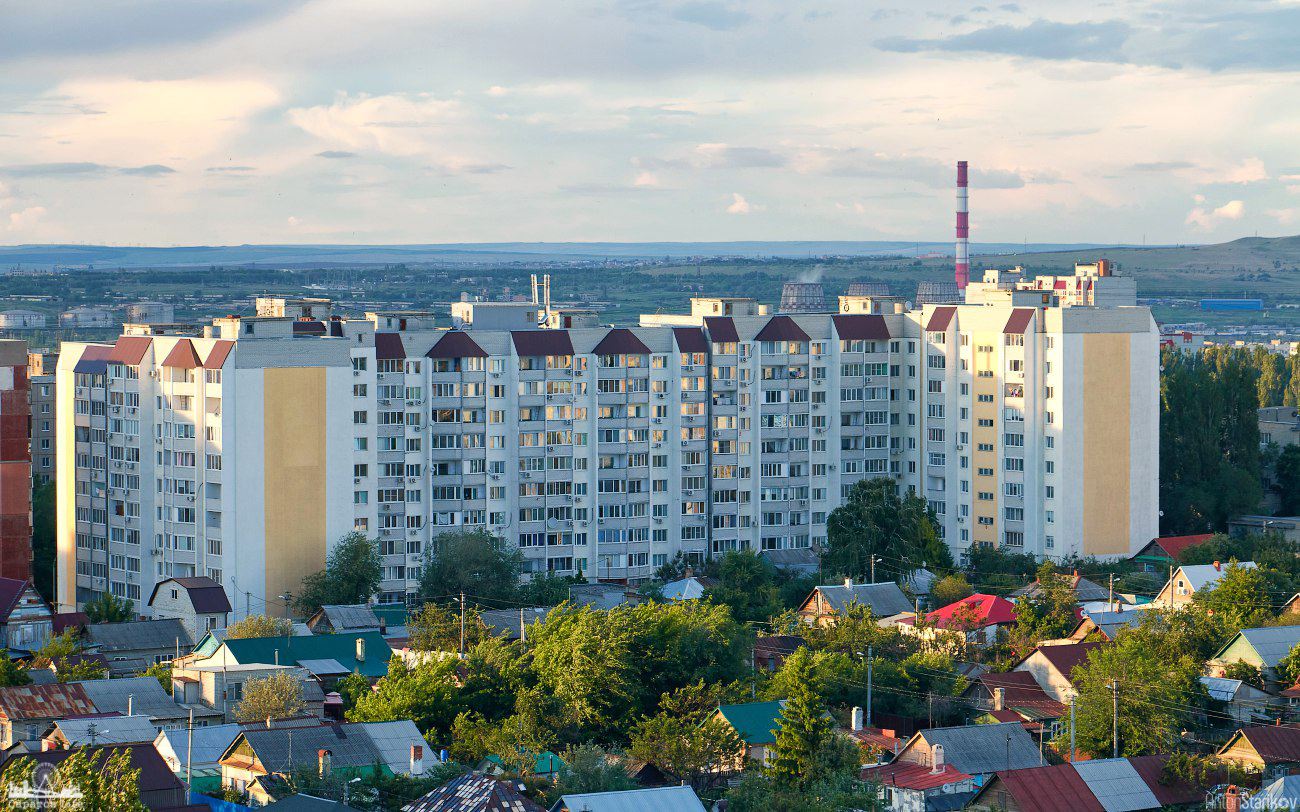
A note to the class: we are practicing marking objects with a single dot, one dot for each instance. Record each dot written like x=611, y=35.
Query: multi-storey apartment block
x=40, y=375
x=244, y=451
x=15, y=463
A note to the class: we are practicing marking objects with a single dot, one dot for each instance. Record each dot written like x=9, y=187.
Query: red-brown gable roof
x=59, y=701
x=909, y=775
x=1065, y=658
x=130, y=350
x=456, y=344
x=940, y=319
x=206, y=595
x=542, y=342
x=781, y=328
x=1054, y=788
x=93, y=360
x=690, y=339
x=861, y=326
x=621, y=341
x=11, y=589
x=1169, y=791
x=218, y=354
x=1274, y=743
x=388, y=347
x=1174, y=545
x=985, y=610
x=1021, y=690
x=183, y=356
x=1019, y=321
x=721, y=329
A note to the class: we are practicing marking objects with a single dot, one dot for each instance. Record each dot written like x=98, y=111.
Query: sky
x=156, y=122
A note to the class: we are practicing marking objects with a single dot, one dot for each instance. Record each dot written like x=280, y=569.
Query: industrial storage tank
x=802, y=297
x=937, y=293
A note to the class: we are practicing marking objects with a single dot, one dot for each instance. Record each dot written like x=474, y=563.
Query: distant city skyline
x=326, y=121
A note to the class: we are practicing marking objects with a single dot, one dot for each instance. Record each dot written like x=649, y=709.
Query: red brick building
x=15, y=463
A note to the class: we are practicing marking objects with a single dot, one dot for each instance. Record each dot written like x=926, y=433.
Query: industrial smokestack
x=963, y=230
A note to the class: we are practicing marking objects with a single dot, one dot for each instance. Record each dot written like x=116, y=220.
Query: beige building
x=40, y=373
x=1279, y=424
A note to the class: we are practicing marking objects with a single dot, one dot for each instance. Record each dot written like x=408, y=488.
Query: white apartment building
x=242, y=453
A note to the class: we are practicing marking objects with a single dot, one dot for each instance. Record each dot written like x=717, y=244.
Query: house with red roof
x=975, y=619
x=1159, y=554
x=1015, y=696
x=906, y=786
x=1051, y=666
x=1271, y=750
x=1100, y=785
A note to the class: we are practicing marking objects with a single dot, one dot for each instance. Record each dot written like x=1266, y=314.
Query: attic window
x=175, y=594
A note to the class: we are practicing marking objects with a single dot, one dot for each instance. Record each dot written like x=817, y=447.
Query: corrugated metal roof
x=209, y=742
x=1199, y=576
x=1054, y=788
x=144, y=695
x=1221, y=688
x=1019, y=321
x=1274, y=743
x=218, y=354
x=1271, y=643
x=324, y=667
x=107, y=730
x=755, y=722
x=474, y=793
x=541, y=342
x=658, y=799
x=984, y=749
x=183, y=356
x=910, y=775
x=20, y=702
x=1066, y=658
x=861, y=326
x=346, y=617
x=1116, y=785
x=140, y=635
x=883, y=599
x=130, y=350
x=284, y=749
x=393, y=742
x=388, y=347
x=292, y=650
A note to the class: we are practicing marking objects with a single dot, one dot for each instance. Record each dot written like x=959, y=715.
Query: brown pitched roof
x=1174, y=545
x=1169, y=793
x=781, y=328
x=690, y=339
x=183, y=356
x=155, y=775
x=217, y=355
x=309, y=327
x=1021, y=690
x=721, y=329
x=861, y=327
x=940, y=319
x=388, y=347
x=11, y=589
x=130, y=350
x=94, y=359
x=206, y=595
x=456, y=344
x=542, y=342
x=19, y=702
x=621, y=341
x=1065, y=658
x=1274, y=743
x=1019, y=321
x=1054, y=788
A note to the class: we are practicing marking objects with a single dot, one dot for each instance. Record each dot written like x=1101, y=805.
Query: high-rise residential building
x=40, y=376
x=15, y=463
x=244, y=451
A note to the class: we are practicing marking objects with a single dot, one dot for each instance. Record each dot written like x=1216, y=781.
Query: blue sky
x=381, y=121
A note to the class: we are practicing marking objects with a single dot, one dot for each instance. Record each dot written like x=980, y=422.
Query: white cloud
x=293, y=222
x=395, y=124
x=1284, y=216
x=1249, y=171
x=646, y=179
x=739, y=205
x=26, y=220
x=1208, y=219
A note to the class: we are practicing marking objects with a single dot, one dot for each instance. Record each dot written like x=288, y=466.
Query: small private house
x=196, y=753
x=328, y=656
x=1246, y=704
x=473, y=792
x=825, y=602
x=143, y=696
x=220, y=688
x=104, y=730
x=133, y=646
x=659, y=799
x=755, y=723
x=1015, y=696
x=941, y=767
x=27, y=711
x=1085, y=591
x=258, y=754
x=1099, y=785
x=199, y=603
x=909, y=787
x=1050, y=667
x=1159, y=554
x=344, y=619
x=1271, y=750
x=1261, y=647
x=26, y=620
x=1189, y=579
x=690, y=587
x=1107, y=625
x=975, y=619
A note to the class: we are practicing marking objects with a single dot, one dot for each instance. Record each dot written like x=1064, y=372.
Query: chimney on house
x=848, y=582
x=690, y=571
x=361, y=649
x=999, y=698
x=937, y=757
x=323, y=763
x=1218, y=565
x=856, y=723
x=417, y=759
x=383, y=625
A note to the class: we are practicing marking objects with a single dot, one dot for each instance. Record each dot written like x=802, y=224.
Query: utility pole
x=869, y=675
x=523, y=632
x=189, y=753
x=1114, y=689
x=1110, y=601
x=462, y=626
x=1073, y=753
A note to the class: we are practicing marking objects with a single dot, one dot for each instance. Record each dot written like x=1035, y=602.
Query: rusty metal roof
x=19, y=702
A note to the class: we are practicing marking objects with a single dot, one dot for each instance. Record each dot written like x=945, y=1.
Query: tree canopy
x=351, y=575
x=259, y=626
x=473, y=562
x=875, y=521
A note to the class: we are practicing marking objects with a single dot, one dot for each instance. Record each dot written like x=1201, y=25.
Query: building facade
x=600, y=451
x=15, y=463
x=40, y=375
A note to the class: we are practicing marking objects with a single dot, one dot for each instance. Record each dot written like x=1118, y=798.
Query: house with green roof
x=755, y=723
x=324, y=656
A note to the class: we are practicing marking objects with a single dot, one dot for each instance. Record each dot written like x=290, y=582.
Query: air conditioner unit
x=356, y=373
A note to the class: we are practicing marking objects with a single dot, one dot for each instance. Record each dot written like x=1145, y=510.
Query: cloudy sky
x=380, y=121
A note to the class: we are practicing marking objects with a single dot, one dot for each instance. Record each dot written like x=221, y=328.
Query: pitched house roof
x=142, y=696
x=1271, y=643
x=984, y=610
x=1100, y=785
x=292, y=650
x=1116, y=785
x=207, y=744
x=206, y=596
x=388, y=347
x=506, y=622
x=862, y=327
x=456, y=344
x=285, y=749
x=1173, y=546
x=347, y=617
x=692, y=587
x=656, y=799
x=1200, y=576
x=139, y=635
x=1169, y=791
x=882, y=599
x=755, y=722
x=1084, y=590
x=474, y=793
x=983, y=749
x=130, y=350
x=106, y=730
x=155, y=775
x=910, y=775
x=1111, y=624
x=1065, y=658
x=217, y=355
x=94, y=360
x=940, y=319
x=781, y=328
x=302, y=802
x=1021, y=692
x=722, y=329
x=541, y=342
x=1053, y=788
x=183, y=356
x=20, y=702
x=11, y=592
x=1275, y=744
x=621, y=341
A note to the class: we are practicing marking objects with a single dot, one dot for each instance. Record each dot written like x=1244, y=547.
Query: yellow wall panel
x=1106, y=371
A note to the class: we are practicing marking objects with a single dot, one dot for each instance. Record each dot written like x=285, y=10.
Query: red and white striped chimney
x=963, y=230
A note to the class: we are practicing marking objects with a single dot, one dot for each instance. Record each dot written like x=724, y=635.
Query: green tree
x=276, y=696
x=875, y=521
x=1209, y=439
x=259, y=626
x=61, y=645
x=69, y=670
x=100, y=779
x=1288, y=668
x=44, y=550
x=1248, y=673
x=351, y=575
x=517, y=741
x=1153, y=693
x=1046, y=614
x=424, y=693
x=684, y=741
x=161, y=672
x=108, y=608
x=546, y=589
x=11, y=673
x=1240, y=598
x=950, y=589
x=1286, y=473
x=588, y=768
x=758, y=793
x=804, y=727
x=472, y=562
x=1273, y=377
x=351, y=688
x=747, y=584
x=437, y=628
